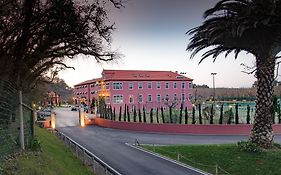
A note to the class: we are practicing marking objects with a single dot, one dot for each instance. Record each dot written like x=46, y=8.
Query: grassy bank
x=228, y=157
x=54, y=159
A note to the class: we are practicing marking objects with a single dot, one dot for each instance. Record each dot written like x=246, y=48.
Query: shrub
x=35, y=144
x=249, y=147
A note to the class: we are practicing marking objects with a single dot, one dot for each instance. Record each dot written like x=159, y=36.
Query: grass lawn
x=228, y=157
x=54, y=159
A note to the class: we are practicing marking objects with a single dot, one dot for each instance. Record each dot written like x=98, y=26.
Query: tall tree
x=253, y=26
x=37, y=36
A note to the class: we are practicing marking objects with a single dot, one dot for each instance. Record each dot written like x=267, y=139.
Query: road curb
x=168, y=159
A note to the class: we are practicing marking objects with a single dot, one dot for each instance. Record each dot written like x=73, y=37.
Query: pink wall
x=126, y=92
x=242, y=129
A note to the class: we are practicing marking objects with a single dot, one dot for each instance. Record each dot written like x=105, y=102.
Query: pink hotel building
x=137, y=88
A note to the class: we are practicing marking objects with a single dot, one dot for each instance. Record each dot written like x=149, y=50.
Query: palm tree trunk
x=262, y=133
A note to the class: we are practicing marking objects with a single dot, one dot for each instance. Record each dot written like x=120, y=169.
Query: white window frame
x=158, y=96
x=131, y=97
x=149, y=98
x=140, y=96
x=117, y=85
x=131, y=86
x=190, y=85
x=175, y=85
x=140, y=85
x=175, y=97
x=107, y=85
x=158, y=85
x=149, y=85
x=183, y=84
x=167, y=87
x=118, y=99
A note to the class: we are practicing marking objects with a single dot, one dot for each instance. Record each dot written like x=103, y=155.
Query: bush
x=35, y=144
x=249, y=147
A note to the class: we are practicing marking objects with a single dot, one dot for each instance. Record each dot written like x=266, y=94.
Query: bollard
x=82, y=118
x=53, y=121
x=178, y=156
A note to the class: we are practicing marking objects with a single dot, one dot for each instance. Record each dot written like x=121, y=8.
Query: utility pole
x=214, y=88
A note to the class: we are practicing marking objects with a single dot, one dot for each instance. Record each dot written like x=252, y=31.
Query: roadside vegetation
x=229, y=158
x=49, y=156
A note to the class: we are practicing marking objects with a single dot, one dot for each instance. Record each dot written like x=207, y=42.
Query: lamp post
x=213, y=73
x=183, y=88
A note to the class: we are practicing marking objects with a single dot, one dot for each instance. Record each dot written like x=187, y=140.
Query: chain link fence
x=9, y=120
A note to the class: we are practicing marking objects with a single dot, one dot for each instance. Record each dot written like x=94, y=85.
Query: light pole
x=213, y=73
x=183, y=88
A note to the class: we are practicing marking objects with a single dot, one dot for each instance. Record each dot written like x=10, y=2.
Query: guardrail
x=98, y=166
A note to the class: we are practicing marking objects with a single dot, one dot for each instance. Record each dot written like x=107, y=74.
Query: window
x=140, y=85
x=131, y=99
x=167, y=85
x=117, y=99
x=92, y=92
x=131, y=86
x=183, y=85
x=158, y=85
x=189, y=97
x=167, y=97
x=183, y=97
x=175, y=97
x=149, y=98
x=85, y=86
x=140, y=98
x=158, y=98
x=190, y=85
x=107, y=100
x=107, y=86
x=149, y=85
x=175, y=85
x=117, y=85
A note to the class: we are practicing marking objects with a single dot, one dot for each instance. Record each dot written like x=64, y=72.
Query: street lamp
x=183, y=88
x=213, y=73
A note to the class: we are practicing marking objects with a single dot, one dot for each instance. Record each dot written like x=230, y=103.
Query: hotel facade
x=137, y=88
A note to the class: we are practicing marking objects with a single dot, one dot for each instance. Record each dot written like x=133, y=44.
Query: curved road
x=109, y=145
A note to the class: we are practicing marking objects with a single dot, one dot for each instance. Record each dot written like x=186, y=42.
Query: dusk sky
x=151, y=36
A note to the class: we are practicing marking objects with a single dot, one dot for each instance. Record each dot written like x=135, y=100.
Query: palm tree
x=253, y=26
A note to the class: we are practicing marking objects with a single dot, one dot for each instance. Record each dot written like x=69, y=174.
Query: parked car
x=74, y=108
x=44, y=113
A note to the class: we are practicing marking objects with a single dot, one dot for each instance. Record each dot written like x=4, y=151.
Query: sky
x=151, y=36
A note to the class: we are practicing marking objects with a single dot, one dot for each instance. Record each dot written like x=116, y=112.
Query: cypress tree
x=144, y=116
x=200, y=115
x=181, y=108
x=221, y=114
x=236, y=114
x=186, y=115
x=125, y=112
x=212, y=114
x=170, y=114
x=140, y=115
x=120, y=113
x=248, y=114
x=193, y=115
x=151, y=115
x=135, y=115
x=128, y=114
x=157, y=115
x=105, y=112
x=162, y=115
x=111, y=112
x=114, y=115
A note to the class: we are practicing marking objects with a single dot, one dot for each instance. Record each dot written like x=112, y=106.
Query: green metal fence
x=9, y=120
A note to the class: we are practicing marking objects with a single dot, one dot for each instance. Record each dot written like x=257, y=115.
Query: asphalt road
x=109, y=145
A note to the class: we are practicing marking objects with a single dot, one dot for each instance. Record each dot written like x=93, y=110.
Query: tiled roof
x=88, y=81
x=143, y=75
